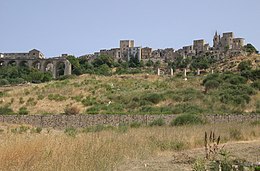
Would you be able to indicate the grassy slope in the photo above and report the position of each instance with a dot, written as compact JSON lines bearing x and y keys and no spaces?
{"x":118,"y":94}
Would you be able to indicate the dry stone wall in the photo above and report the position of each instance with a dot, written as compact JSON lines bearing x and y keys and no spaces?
{"x":82,"y":121}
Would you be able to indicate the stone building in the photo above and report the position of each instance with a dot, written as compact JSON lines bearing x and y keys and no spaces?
{"x":164,"y":54}
{"x":227,"y":42}
{"x":35,"y":59}
{"x":115,"y":53}
{"x":31,"y":54}
{"x":146,"y":53}
{"x":124,"y":46}
{"x":134,"y":52}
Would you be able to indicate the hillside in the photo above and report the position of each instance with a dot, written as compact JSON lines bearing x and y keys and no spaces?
{"x":120,"y":94}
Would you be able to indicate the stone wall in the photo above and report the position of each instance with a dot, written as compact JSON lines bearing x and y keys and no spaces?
{"x":81,"y":121}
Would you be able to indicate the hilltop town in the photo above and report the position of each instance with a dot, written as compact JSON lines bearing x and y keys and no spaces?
{"x":224,"y":47}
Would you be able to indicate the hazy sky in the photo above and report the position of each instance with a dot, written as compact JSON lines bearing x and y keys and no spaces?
{"x":83,"y":26}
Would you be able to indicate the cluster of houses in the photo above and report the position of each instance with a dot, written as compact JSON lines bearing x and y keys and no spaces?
{"x":225,"y":45}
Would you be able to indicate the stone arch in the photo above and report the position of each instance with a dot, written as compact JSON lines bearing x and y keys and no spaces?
{"x":48,"y":66}
{"x":37,"y":65}
{"x":24,"y":63}
{"x":60,"y":68}
{"x":12,"y":63}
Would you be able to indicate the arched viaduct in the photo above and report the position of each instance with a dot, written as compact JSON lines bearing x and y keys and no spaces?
{"x":44,"y":65}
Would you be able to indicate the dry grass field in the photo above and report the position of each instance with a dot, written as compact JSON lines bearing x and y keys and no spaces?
{"x":23,"y":148}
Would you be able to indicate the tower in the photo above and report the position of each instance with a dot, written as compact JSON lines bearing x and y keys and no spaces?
{"x":216,"y":40}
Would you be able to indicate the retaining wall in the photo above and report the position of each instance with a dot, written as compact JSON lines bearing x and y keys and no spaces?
{"x":81,"y":121}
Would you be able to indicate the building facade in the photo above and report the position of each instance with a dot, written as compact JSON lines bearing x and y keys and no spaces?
{"x":34,"y":54}
{"x":146,"y":53}
{"x":134,"y":52}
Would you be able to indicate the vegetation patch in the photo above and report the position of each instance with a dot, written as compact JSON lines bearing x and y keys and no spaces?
{"x":187,"y":119}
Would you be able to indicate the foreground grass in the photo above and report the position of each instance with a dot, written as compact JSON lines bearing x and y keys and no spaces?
{"x":105,"y":150}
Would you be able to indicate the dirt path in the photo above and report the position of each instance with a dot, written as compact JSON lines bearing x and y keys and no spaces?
{"x":183,"y":161}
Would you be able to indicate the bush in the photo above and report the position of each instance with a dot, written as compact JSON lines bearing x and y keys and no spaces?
{"x":256,"y":85}
{"x":20,"y":130}
{"x":56,"y":97}
{"x":187,"y":119}
{"x":4,"y":82}
{"x":244,"y":65}
{"x":6,"y":110}
{"x":157,"y":122}
{"x":154,"y":98}
{"x":23,"y":111}
{"x":211,"y":84}
{"x":71,"y":110}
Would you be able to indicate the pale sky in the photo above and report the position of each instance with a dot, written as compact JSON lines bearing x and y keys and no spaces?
{"x":80,"y":27}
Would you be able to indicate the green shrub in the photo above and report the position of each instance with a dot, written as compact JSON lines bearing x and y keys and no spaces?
{"x":40,"y":97}
{"x":23,"y":111}
{"x":157,"y":122}
{"x":256,"y":85}
{"x":187,"y":119}
{"x":6,"y":110}
{"x":88,"y":101}
{"x":21,"y":101}
{"x":154,"y":98}
{"x":20,"y":130}
{"x":211,"y":84}
{"x":244,"y":65}
{"x":2,"y":94}
{"x":56,"y":97}
{"x":4,"y":82}
{"x":187,"y":108}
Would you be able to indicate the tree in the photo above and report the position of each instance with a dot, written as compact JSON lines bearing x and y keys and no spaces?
{"x":103,"y":59}
{"x":76,"y":67}
{"x":149,"y":63}
{"x":134,"y":62}
{"x":249,"y":48}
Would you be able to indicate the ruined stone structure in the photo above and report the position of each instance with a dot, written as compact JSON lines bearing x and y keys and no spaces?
{"x":35,"y":59}
{"x":115,"y":53}
{"x":134,"y":52}
{"x":227,"y":42}
{"x":146,"y":53}
{"x":227,"y":45}
{"x":164,"y":54}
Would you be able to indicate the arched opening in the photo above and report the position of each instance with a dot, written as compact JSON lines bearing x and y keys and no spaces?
{"x":48,"y":66}
{"x":24,"y":64}
{"x":2,"y":63}
{"x":36,"y":65}
{"x":11,"y":63}
{"x":60,"y":69}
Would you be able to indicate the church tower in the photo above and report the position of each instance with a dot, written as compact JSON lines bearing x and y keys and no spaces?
{"x":216,"y":40}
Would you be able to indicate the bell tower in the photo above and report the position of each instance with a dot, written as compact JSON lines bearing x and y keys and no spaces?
{"x":216,"y":40}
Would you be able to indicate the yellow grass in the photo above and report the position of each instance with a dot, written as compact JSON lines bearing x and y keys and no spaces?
{"x":54,"y":150}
